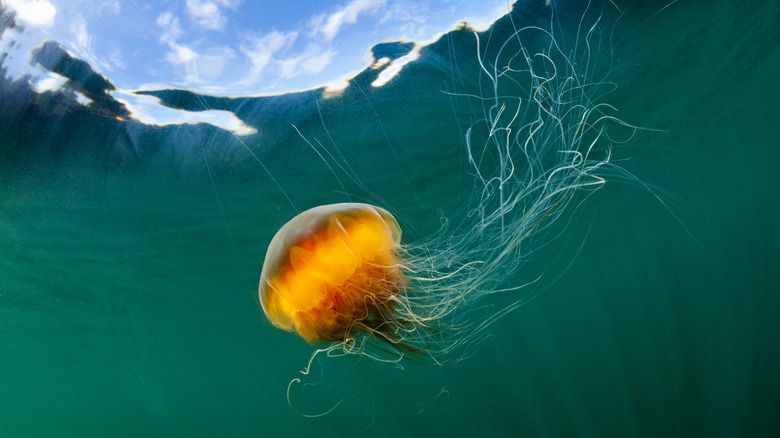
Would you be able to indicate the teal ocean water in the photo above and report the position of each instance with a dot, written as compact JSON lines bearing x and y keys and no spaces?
{"x":130,"y":254}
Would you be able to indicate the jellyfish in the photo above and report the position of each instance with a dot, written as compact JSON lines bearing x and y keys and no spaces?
{"x":332,"y":273}
{"x":342,"y":276}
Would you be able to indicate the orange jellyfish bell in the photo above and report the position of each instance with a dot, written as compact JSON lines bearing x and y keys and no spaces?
{"x":331,"y":273}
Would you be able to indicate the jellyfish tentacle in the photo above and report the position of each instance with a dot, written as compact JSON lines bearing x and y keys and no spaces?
{"x":541,"y":144}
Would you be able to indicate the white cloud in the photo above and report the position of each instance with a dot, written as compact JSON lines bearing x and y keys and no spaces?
{"x":109,"y":7}
{"x":212,"y":63}
{"x":312,"y":61}
{"x":78,"y":27}
{"x":261,"y":51}
{"x":207,"y":13}
{"x":330,"y":25}
{"x":180,"y":55}
{"x":183,"y":56}
{"x":171,"y":28}
{"x":202,"y":66}
{"x":317,"y":63}
{"x":35,"y":12}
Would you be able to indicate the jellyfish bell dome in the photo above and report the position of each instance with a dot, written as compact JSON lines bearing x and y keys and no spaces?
{"x":331,"y":273}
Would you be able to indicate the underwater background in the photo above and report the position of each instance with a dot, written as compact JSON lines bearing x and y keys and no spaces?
{"x":130,"y":253}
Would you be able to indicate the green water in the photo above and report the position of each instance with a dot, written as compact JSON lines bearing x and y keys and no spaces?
{"x":127,"y":285}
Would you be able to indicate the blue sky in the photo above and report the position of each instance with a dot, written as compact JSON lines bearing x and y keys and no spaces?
{"x":239,"y":47}
{"x":232,"y":47}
